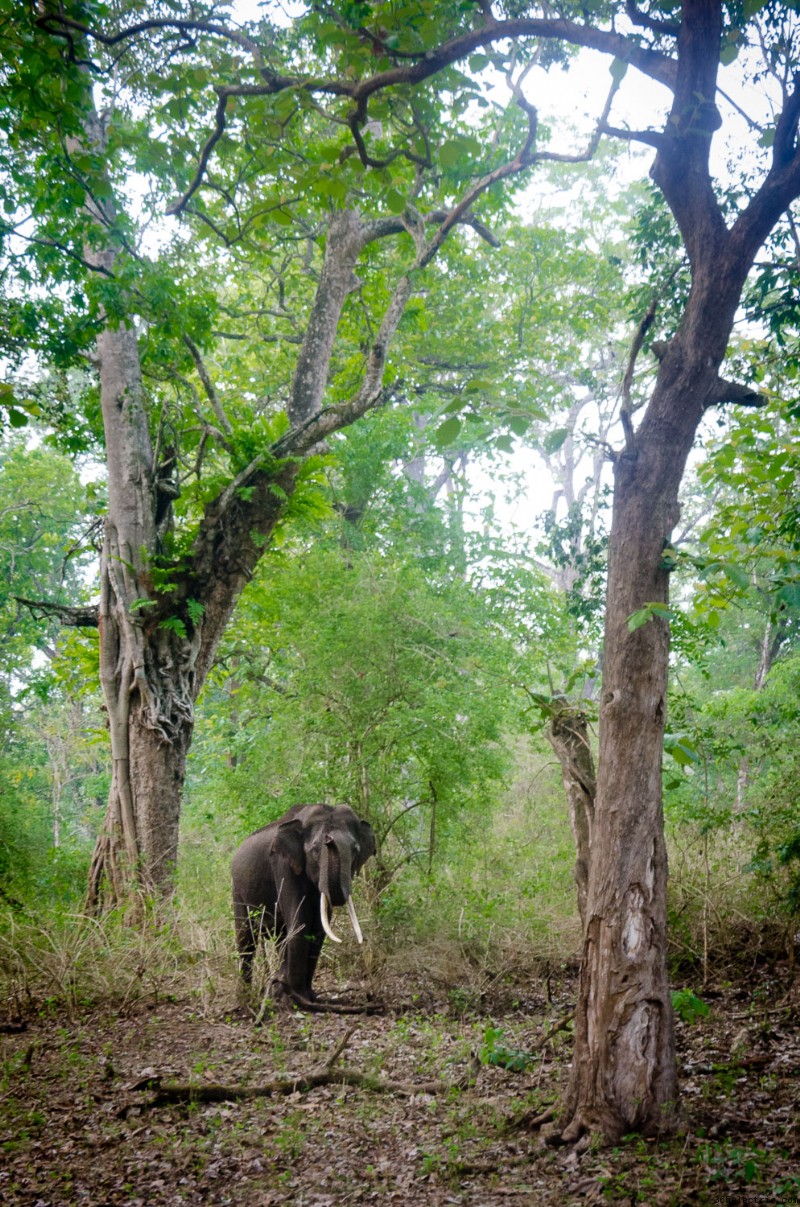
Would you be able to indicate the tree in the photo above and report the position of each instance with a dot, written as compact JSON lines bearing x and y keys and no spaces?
{"x":623,"y":1073}
{"x":170,"y":573}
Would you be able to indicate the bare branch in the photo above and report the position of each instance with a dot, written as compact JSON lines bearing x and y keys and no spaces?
{"x":735,"y":392}
{"x":652,"y":138}
{"x":208,"y":385}
{"x":382,"y":228}
{"x":58,"y":23}
{"x":72,"y":617}
{"x":637,"y":17}
{"x":626,"y":410}
{"x":179,"y":206}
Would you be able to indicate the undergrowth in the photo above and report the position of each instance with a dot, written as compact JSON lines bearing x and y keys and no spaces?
{"x":497,"y":903}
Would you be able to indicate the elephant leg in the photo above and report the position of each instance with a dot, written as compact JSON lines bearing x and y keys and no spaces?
{"x":246,"y":939}
{"x":314,"y":948}
{"x":301,"y":951}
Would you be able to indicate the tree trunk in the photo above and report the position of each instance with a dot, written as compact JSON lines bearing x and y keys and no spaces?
{"x":623,"y":1071}
{"x":568,"y":734}
{"x":623,"y":1075}
{"x":145,"y":674}
{"x":158,"y":645}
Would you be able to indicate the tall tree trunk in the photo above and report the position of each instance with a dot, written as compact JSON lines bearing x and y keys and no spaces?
{"x":148,"y":700}
{"x":623,"y":1071}
{"x":623,"y":1074}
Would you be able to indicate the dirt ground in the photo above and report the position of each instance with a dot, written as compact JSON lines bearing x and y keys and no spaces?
{"x":84,"y":1117}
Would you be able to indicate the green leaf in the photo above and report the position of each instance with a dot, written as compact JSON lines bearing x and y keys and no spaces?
{"x":395,"y":201}
{"x":196,"y":610}
{"x":729,"y":53}
{"x":637,"y":619}
{"x":478,"y":385}
{"x":688,"y":1006}
{"x":17,"y":418}
{"x":737,"y":575}
{"x":682,"y":749}
{"x":519,"y":424}
{"x":447,"y":432}
{"x":751,"y":7}
{"x":555,"y":440}
{"x":174,"y":624}
{"x":647,"y":613}
{"x":451,"y":153}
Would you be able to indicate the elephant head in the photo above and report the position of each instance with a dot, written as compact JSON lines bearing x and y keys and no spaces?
{"x":328,"y":845}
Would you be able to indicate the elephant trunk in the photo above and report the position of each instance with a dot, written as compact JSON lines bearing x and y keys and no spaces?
{"x":335,"y":884}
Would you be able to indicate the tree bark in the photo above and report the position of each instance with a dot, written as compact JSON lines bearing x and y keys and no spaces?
{"x":623,"y":1074}
{"x":145,"y":667}
{"x":623,"y":1071}
{"x":568,"y":734}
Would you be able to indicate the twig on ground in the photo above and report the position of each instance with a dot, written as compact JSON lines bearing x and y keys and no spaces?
{"x":531,"y":1121}
{"x":325,"y":1074}
{"x":561,"y":1025}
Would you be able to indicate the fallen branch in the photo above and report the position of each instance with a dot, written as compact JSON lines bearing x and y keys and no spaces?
{"x":531,"y":1121}
{"x":561,"y":1025}
{"x":324,"y":1074}
{"x":471,"y":1168}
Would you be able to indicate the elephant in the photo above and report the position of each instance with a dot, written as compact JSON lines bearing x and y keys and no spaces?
{"x":286,"y":878}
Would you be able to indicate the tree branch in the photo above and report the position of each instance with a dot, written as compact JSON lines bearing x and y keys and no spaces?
{"x":179,"y":206}
{"x":208,"y":385}
{"x":38,"y":241}
{"x":381,"y":228}
{"x":58,"y":23}
{"x":735,"y":392}
{"x":626,"y":410}
{"x":72,"y":617}
{"x":637,"y":17}
{"x":652,"y":138}
{"x":303,"y":1083}
{"x":650,"y":62}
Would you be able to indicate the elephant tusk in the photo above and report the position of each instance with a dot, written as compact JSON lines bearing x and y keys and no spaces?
{"x":351,"y":909}
{"x":326,"y":925}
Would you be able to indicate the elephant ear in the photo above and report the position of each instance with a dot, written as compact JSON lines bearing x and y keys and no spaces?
{"x":366,"y":840}
{"x":288,"y":842}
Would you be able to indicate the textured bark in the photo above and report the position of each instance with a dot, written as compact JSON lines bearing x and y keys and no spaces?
{"x":623,"y":1074}
{"x":146,"y":670}
{"x":345,"y":242}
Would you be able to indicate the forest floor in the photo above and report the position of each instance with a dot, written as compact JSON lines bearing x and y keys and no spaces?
{"x":397,"y":1115}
